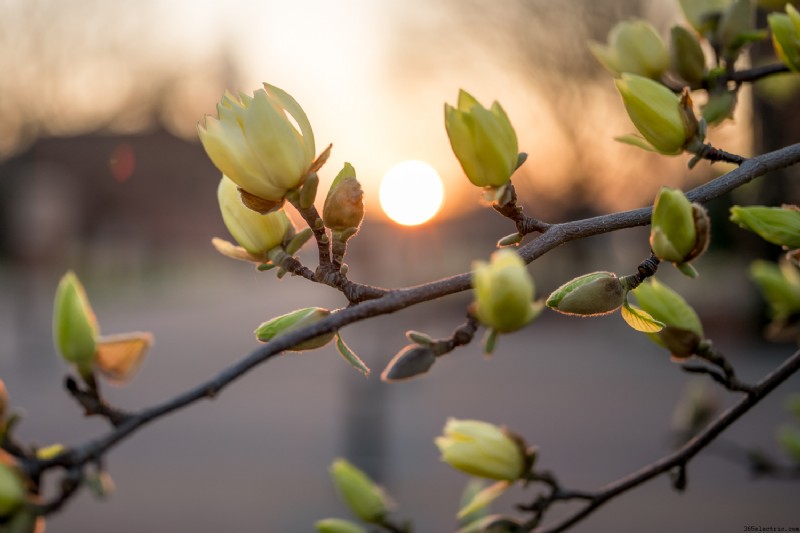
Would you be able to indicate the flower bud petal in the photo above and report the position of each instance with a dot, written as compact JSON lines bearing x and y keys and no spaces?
{"x":778,"y":225}
{"x":780,"y":286}
{"x":337,"y":525}
{"x":344,"y":205}
{"x":634,"y":47}
{"x":704,"y":15}
{"x":256,"y":144}
{"x":120,"y":356}
{"x":656,"y":112}
{"x":364,"y":498}
{"x":74,"y":323}
{"x":481,"y":449}
{"x":503,"y":292}
{"x":256,"y":233}
{"x":294,"y":321}
{"x":483,"y":140}
{"x":687,"y":56}
{"x":786,"y":36}
{"x":597,"y":293}
{"x":736,"y":21}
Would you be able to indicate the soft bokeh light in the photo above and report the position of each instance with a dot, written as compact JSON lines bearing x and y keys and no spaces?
{"x":411,"y":192}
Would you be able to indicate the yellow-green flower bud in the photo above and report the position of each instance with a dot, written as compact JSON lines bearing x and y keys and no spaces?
{"x":503,"y":292}
{"x":256,"y":233}
{"x":294,"y":321}
{"x":704,"y":15}
{"x":12,"y":489}
{"x":736,"y":22}
{"x":683,"y":331}
{"x":780,"y":286}
{"x":344,"y":205}
{"x":256,"y":143}
{"x":364,"y":498}
{"x":483,"y":140}
{"x":665,"y":119}
{"x":789,"y":439}
{"x":74,"y":323}
{"x":634,"y":47}
{"x":482,"y":449}
{"x":597,"y":293}
{"x":679,"y":230}
{"x":337,"y":525}
{"x":778,"y":225}
{"x":786,"y":36}
{"x":687,"y":56}
{"x":720,"y":106}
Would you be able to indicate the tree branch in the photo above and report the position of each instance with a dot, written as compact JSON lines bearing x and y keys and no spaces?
{"x":681,"y":457}
{"x":395,"y":300}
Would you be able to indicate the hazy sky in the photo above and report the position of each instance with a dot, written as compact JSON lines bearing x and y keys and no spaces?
{"x":372,"y":75}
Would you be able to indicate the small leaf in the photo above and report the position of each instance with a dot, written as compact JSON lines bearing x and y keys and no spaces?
{"x":640,"y":320}
{"x":483,"y":498}
{"x":420,"y":338}
{"x":119,"y":356}
{"x":409,"y":362}
{"x":635,"y":140}
{"x":351,"y":357}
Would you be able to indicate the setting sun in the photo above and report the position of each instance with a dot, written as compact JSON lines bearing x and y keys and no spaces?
{"x":411,"y":192}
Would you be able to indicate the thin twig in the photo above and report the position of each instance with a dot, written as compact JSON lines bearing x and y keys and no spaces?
{"x":681,"y":457}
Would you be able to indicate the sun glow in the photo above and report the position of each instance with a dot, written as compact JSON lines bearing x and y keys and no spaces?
{"x":411,"y":192}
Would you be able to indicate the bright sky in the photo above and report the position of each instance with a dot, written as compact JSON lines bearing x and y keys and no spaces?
{"x":372,"y":75}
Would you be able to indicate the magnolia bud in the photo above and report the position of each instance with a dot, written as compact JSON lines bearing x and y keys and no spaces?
{"x":483,"y":140}
{"x":786,"y":36}
{"x":503,"y":292}
{"x":344,"y":205}
{"x":74,"y":324}
{"x":720,"y":106}
{"x":679,"y":229}
{"x":687,"y":56}
{"x":703,"y":15}
{"x":482,"y":449}
{"x":365,"y":499}
{"x":12,"y":488}
{"x":409,"y":362}
{"x":634,"y":47}
{"x":257,"y":144}
{"x":256,"y":233}
{"x":780,"y":286}
{"x":683,"y":331}
{"x":736,"y":22}
{"x":597,"y":293}
{"x":778,"y":225}
{"x":294,"y":321}
{"x":337,"y":525}
{"x":665,"y":119}
{"x":789,"y":439}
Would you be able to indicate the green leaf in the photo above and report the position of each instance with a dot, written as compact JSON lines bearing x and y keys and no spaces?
{"x":351,"y":357}
{"x":640,"y":320}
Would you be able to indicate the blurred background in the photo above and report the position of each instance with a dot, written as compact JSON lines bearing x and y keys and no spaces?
{"x":101,"y":172}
